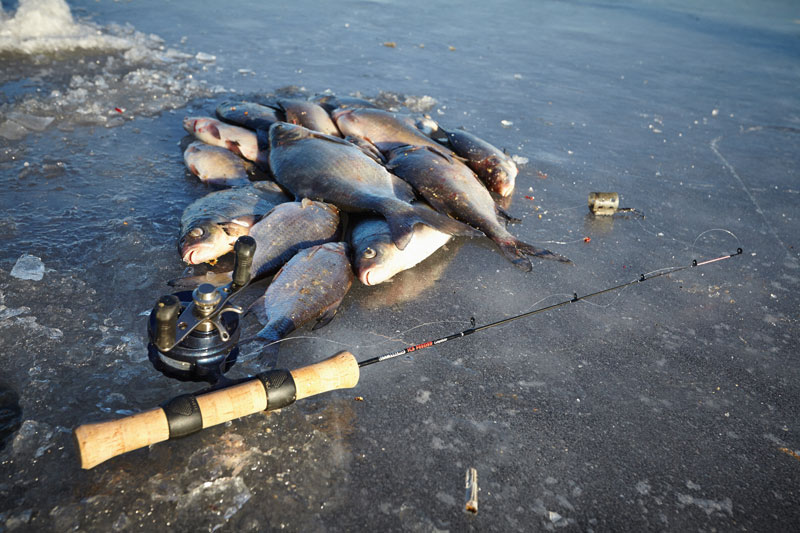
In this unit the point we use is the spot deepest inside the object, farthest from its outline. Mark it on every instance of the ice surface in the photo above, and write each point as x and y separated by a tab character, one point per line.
692	376
28	267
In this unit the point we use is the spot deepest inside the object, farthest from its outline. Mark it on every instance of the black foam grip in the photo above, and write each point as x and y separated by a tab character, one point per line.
280	387
183	416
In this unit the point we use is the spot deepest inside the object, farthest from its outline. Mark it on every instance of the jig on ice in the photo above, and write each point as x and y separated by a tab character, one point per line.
194	337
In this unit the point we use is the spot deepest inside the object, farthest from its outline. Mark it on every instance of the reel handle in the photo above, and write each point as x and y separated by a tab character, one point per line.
167	310
188	414
245	249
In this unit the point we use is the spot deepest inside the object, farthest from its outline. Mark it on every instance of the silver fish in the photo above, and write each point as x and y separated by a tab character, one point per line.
309	287
288	228
495	168
452	188
321	167
248	115
331	102
215	166
211	225
375	257
383	129
309	115
240	141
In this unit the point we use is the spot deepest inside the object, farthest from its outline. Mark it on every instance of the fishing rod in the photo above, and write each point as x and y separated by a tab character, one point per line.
575	298
191	340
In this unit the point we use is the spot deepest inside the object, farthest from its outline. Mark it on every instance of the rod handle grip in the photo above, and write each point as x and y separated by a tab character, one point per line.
98	442
101	441
339	371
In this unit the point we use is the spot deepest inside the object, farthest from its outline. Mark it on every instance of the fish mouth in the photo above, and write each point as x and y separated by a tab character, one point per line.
189	257
195	255
372	277
188	124
365	278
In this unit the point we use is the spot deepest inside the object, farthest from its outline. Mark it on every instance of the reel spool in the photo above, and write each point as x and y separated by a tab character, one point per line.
194	334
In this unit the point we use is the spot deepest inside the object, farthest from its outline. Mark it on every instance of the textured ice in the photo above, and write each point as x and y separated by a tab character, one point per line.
656	368
31	122
48	25
116	78
32	439
28	267
12	130
226	495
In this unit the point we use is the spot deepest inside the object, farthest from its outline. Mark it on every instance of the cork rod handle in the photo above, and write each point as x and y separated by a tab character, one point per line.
98	442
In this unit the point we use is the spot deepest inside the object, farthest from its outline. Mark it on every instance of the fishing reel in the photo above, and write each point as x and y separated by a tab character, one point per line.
194	334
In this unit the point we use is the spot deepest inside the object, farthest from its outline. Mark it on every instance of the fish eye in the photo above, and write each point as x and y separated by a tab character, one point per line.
196	232
369	253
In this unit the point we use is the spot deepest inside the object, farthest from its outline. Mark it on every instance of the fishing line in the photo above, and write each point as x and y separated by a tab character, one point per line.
738	242
387	339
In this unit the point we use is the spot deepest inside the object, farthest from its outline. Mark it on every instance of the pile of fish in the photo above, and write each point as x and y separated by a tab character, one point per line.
286	171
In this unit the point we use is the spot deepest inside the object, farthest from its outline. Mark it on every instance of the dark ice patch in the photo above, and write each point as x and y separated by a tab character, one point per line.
10	414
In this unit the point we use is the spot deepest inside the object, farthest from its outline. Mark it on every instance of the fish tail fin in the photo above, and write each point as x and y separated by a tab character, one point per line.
402	221
271	335
271	339
517	252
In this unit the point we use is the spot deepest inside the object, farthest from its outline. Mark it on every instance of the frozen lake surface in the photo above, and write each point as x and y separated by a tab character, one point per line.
669	406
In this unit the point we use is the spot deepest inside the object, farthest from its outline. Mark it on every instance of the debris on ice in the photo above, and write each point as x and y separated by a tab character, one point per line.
506	123
28	267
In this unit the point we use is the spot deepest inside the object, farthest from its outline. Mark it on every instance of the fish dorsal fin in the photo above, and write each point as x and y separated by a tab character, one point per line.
326	137
278	106
441	153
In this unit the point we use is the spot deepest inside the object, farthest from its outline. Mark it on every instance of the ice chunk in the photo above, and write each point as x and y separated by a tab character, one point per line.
12	130
205	58
31	122
506	123
28	267
6	312
518	159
